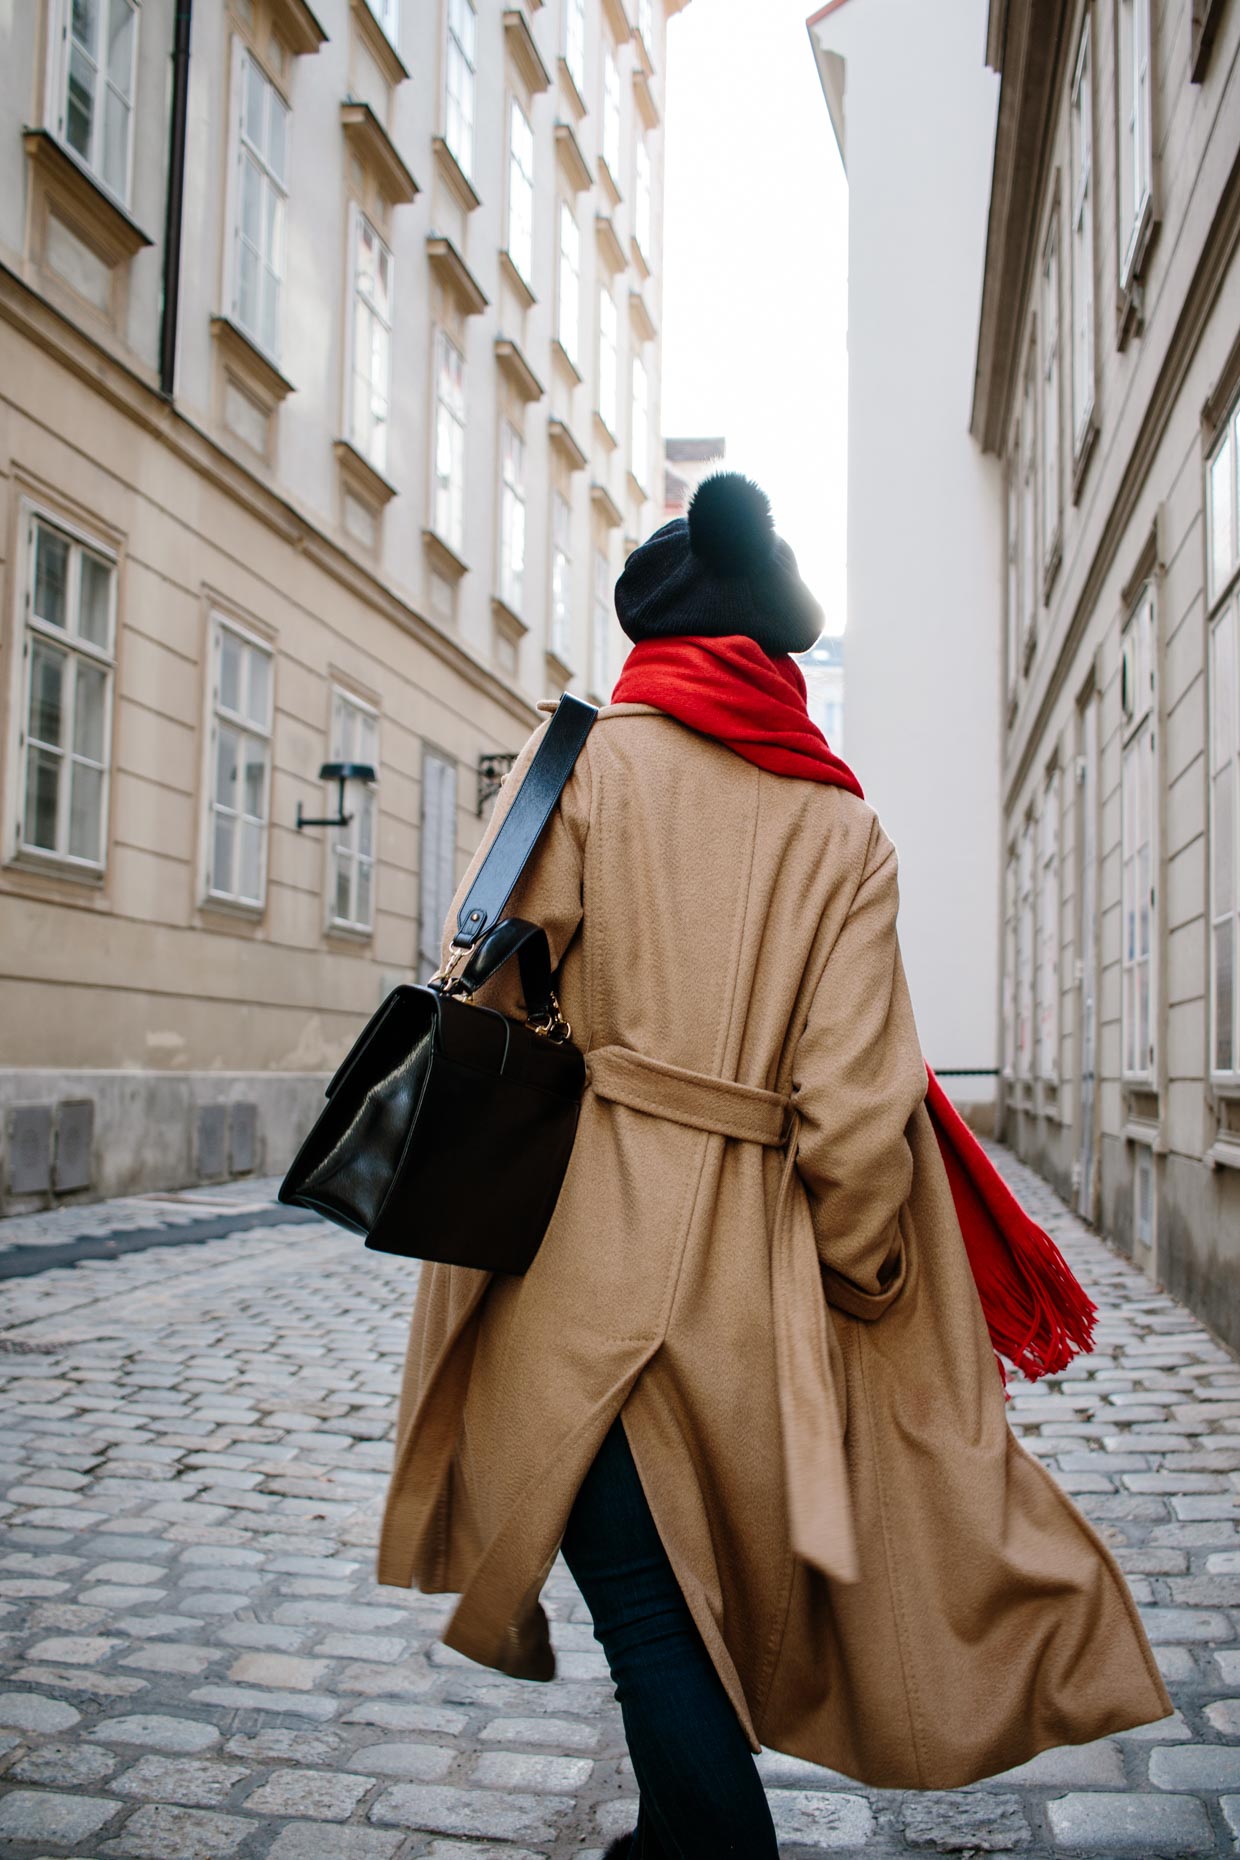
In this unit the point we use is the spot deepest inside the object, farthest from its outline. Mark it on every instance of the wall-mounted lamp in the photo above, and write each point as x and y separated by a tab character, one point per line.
491	771
339	772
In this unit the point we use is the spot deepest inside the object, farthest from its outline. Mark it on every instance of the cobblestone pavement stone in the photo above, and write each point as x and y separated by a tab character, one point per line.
197	1663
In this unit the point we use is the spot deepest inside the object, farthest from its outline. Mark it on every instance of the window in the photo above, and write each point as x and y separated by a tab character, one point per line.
1224	753
1135	132
1137	842
561	554
70	625
448	514
372	343
608	359
512	518
459	82
1048	927
1013	566
640	461
438	874
1028	503
520	191
1082	243
387	14
645	24
258	243
241	765
95	86
600	642
575	41
568	319
1009	969
642	198
1024	956
611	110
355	738
1050	394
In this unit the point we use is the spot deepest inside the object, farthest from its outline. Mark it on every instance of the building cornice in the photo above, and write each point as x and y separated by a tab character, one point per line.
1033	34
24	310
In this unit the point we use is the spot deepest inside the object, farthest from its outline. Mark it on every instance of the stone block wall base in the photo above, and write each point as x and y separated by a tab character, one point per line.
68	1135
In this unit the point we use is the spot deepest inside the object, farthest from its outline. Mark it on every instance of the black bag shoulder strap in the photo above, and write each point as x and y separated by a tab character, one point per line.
523	823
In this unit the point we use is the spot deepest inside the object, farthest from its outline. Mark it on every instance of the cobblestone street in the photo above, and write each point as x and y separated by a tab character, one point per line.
198	1663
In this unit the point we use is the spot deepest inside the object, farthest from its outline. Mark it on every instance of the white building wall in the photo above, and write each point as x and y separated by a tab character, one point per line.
914	111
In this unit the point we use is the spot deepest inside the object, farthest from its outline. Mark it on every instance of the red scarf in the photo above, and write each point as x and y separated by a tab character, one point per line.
1037	1313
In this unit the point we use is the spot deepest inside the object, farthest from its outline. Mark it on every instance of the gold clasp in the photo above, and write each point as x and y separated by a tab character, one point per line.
443	975
552	1025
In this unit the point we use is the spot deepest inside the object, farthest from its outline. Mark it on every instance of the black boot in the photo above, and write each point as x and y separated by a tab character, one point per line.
620	1850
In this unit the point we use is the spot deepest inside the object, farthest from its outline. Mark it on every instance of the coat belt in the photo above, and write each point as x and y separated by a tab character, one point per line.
815	1470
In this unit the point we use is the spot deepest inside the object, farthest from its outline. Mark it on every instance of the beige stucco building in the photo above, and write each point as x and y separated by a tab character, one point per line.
349	482
1108	383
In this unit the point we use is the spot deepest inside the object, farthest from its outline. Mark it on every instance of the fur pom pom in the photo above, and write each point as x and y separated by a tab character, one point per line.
730	525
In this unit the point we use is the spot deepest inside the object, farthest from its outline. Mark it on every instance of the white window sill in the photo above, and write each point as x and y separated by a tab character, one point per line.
55	865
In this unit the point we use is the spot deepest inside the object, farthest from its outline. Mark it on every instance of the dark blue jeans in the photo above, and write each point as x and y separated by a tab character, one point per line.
701	1796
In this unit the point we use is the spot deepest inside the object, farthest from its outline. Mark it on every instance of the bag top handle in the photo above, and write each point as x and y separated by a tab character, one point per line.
522	825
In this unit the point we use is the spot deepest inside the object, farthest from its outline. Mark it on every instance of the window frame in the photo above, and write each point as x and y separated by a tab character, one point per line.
608	360
1139	138
1014	629
1081	244
1030	593
1051	395
568	319
1026	950
520	186
244	56
60	25
560	609
453	489
29	628
357	219
1008	1009
1050	935
341	698
213	896
387	12
575	14
458	59
1223	612
639	405
643	198
513	527
611	135
1138	745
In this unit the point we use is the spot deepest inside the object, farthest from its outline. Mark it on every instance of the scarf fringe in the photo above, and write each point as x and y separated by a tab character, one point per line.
1037	1312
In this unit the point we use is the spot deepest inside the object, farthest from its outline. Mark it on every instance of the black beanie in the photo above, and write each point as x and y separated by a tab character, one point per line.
720	570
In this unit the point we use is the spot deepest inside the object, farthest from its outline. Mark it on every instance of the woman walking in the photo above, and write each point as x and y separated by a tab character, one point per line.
747	1384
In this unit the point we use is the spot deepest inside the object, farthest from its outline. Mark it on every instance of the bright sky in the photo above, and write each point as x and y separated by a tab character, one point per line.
755	258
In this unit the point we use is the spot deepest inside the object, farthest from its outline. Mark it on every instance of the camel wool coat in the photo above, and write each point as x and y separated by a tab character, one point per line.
755	1257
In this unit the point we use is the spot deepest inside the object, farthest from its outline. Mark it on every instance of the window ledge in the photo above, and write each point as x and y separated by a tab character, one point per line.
605	504
610	185
1130	310
1145	1130
459	183
378	44
454	274
444	556
1050	567
1223	1153
257	370
52	865
639	259
610	248
355	934
97	218
297	26
519	285
508	619
523	51
1028	648
559	671
643	96
603	433
575	167
564	361
637	490
235	909
640	317
576	102
1082	453
562	440
363	478
521	376
376	151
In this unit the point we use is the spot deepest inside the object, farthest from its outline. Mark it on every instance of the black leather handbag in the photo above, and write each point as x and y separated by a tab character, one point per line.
448	1126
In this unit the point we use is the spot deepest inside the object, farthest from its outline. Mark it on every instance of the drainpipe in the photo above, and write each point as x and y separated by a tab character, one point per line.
176	197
